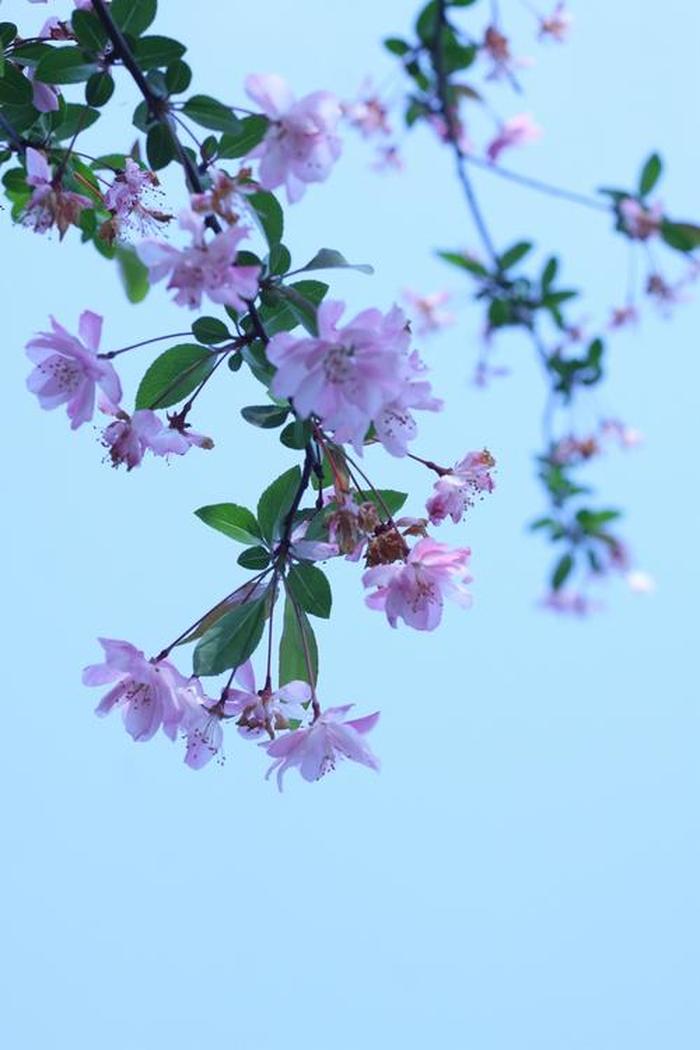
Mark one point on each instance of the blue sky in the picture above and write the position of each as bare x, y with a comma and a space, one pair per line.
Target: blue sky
523, 872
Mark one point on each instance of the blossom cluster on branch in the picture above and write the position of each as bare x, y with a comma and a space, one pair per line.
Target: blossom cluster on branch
331, 385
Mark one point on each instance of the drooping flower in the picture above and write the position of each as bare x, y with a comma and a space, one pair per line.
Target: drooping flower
316, 750
557, 25
353, 376
456, 490
641, 222
68, 369
428, 309
205, 268
414, 590
301, 144
259, 711
128, 438
125, 199
49, 204
201, 723
517, 131
146, 690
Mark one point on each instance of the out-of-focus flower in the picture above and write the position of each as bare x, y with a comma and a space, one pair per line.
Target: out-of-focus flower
301, 144
570, 603
316, 750
557, 25
388, 159
206, 268
640, 582
496, 47
428, 310
226, 197
367, 113
68, 369
518, 131
621, 316
641, 222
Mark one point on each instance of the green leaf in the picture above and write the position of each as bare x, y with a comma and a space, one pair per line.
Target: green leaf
683, 236
265, 416
268, 212
233, 520
311, 589
330, 259
427, 23
133, 273
297, 640
133, 16
296, 435
278, 260
99, 89
160, 148
178, 77
514, 254
277, 313
396, 46
152, 52
276, 502
384, 499
231, 640
174, 375
210, 330
65, 65
549, 272
70, 118
303, 308
464, 262
210, 113
8, 32
650, 175
15, 89
254, 558
251, 131
89, 30
562, 571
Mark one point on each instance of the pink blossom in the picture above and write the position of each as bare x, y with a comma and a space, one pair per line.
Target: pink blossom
626, 436
258, 711
570, 603
367, 113
640, 222
146, 690
301, 145
201, 722
557, 25
517, 131
622, 316
316, 750
352, 376
455, 491
388, 159
395, 424
204, 268
128, 438
497, 47
431, 318
414, 590
124, 198
226, 196
310, 550
49, 203
68, 369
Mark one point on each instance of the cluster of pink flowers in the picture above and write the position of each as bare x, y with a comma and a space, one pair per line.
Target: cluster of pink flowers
153, 695
205, 268
49, 205
301, 144
69, 369
355, 376
457, 488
